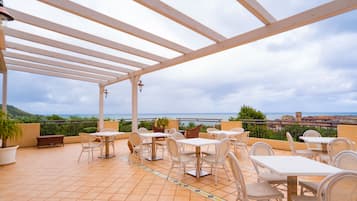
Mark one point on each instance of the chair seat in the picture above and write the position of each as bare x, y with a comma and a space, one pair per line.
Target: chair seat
310, 185
272, 178
303, 198
262, 191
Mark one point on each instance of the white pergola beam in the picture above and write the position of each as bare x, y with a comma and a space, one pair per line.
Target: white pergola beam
45, 24
55, 69
100, 18
254, 7
307, 17
69, 47
181, 18
58, 63
50, 73
33, 50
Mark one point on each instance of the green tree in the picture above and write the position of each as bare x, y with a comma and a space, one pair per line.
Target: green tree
247, 112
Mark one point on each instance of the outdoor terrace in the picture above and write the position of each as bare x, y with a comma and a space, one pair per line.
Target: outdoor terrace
54, 174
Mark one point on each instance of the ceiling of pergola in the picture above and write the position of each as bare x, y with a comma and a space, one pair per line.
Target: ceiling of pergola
85, 45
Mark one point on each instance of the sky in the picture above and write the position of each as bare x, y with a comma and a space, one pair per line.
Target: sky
309, 69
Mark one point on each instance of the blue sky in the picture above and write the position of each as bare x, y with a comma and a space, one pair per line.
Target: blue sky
310, 69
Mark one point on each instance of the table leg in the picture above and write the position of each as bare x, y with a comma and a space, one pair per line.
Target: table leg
198, 166
153, 148
106, 140
292, 186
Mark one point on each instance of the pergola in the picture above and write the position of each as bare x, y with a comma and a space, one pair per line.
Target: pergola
117, 68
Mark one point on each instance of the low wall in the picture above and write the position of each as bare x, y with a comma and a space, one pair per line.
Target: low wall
30, 131
277, 144
347, 131
228, 125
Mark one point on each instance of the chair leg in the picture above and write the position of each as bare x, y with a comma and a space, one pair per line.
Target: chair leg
79, 158
168, 174
216, 175
225, 170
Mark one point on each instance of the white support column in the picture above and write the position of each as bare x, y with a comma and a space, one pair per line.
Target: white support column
4, 91
134, 102
101, 107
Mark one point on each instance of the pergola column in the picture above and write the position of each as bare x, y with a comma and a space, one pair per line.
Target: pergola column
134, 102
4, 91
101, 107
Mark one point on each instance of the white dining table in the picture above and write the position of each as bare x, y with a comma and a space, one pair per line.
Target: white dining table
106, 135
198, 143
226, 132
318, 140
153, 137
294, 166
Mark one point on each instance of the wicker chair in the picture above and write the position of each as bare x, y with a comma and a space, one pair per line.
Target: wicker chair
304, 152
193, 133
335, 147
253, 191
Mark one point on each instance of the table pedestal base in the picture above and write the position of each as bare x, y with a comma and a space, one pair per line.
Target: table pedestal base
153, 159
193, 173
107, 156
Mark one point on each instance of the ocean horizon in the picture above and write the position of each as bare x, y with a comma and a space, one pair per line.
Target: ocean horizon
221, 116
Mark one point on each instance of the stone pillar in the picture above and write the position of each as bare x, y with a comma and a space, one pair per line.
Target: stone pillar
298, 116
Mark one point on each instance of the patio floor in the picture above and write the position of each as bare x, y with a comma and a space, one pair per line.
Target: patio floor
54, 174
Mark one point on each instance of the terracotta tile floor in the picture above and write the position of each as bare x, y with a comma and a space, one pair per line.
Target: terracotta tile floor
54, 174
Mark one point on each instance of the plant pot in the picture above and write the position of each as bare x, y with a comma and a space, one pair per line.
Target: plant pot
8, 155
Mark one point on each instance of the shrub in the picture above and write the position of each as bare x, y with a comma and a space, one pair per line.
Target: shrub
89, 130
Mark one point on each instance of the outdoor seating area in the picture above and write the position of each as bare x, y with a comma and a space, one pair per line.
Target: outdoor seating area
190, 169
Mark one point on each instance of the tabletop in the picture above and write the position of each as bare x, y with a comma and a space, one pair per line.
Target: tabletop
221, 132
107, 133
295, 165
321, 140
157, 134
198, 141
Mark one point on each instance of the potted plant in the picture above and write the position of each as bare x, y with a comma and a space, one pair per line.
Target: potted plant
160, 124
9, 129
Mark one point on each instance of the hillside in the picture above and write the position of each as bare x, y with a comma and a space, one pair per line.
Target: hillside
16, 112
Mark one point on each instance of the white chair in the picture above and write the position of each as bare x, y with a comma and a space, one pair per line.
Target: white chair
182, 147
304, 152
253, 191
312, 146
341, 186
264, 149
89, 145
176, 157
334, 147
138, 147
219, 158
346, 160
241, 141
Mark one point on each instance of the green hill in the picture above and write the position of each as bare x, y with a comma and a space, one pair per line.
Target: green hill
16, 112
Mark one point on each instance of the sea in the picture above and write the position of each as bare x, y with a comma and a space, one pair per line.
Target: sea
218, 116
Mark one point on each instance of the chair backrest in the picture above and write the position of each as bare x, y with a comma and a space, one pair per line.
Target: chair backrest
261, 149
311, 133
291, 142
338, 145
244, 137
135, 139
193, 133
237, 129
221, 136
222, 150
238, 177
177, 136
172, 149
346, 160
84, 138
172, 130
143, 130
337, 187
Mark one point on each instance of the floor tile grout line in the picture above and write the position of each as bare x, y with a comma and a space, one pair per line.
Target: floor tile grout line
181, 184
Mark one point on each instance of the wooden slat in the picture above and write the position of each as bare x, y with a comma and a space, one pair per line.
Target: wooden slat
73, 48
95, 16
258, 11
45, 24
55, 69
181, 18
49, 73
33, 50
310, 16
58, 63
